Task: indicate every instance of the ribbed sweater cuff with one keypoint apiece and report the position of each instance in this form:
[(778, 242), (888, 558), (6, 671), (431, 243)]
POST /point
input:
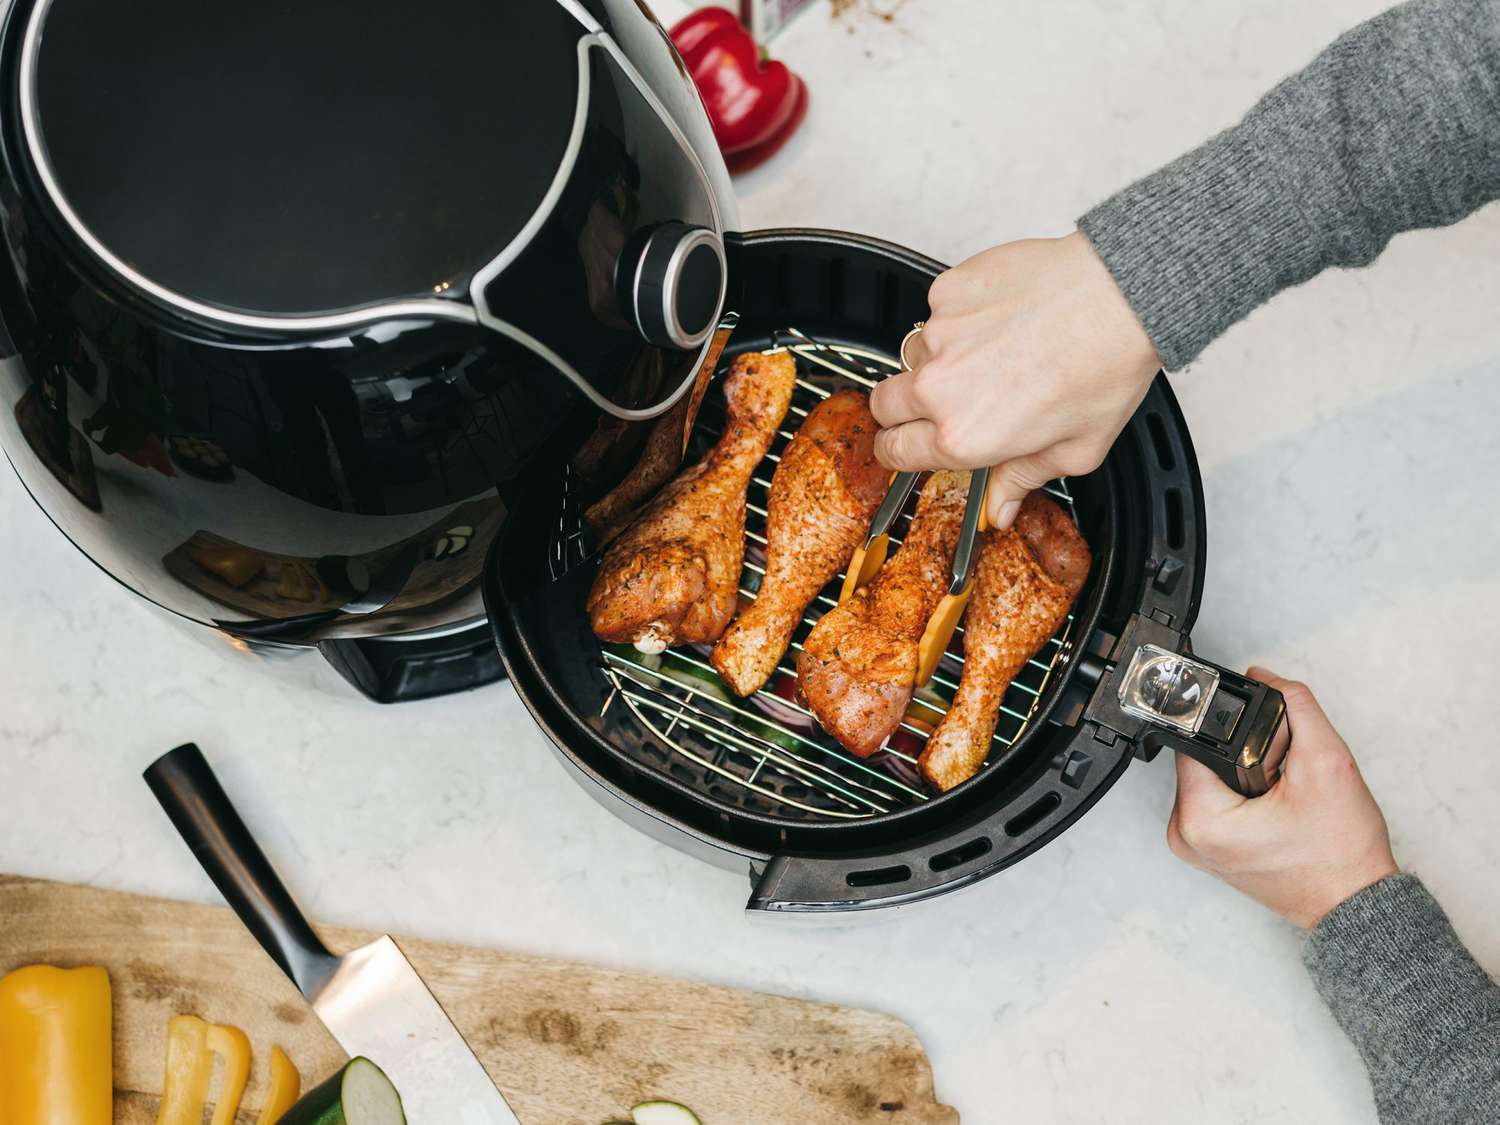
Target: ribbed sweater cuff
[(1199, 244), (1408, 994)]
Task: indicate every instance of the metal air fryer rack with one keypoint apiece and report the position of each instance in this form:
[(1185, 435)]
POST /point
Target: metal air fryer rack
[(767, 754)]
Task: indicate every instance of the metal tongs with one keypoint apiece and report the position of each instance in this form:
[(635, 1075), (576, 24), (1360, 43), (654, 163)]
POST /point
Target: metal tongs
[(870, 557)]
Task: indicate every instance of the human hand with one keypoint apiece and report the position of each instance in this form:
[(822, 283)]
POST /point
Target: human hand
[(1315, 839), (1031, 361)]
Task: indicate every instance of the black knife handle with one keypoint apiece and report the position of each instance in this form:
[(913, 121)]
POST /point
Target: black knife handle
[(202, 813)]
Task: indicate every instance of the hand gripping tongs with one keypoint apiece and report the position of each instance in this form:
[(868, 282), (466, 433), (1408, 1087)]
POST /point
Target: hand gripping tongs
[(869, 557)]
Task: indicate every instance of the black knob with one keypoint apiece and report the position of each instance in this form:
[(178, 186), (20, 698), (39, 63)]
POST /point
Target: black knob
[(671, 281)]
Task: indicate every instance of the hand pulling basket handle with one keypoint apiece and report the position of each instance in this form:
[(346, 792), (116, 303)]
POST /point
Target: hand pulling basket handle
[(1244, 736)]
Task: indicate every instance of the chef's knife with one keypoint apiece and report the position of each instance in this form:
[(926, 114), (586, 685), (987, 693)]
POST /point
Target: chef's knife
[(371, 999)]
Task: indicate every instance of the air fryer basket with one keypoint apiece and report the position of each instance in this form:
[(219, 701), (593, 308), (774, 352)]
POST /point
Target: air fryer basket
[(660, 744)]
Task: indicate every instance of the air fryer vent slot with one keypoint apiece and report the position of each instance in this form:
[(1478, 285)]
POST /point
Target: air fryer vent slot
[(879, 876), (964, 853), (1176, 534), (1160, 442), (1034, 813)]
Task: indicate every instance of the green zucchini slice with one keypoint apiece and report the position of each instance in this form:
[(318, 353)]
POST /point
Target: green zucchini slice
[(663, 1113), (358, 1094)]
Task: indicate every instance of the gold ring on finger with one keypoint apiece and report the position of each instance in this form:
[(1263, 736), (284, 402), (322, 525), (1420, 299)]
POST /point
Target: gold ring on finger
[(916, 330)]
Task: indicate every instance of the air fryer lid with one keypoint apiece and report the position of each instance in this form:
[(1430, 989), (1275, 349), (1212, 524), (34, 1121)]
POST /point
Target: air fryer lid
[(287, 167), (242, 156)]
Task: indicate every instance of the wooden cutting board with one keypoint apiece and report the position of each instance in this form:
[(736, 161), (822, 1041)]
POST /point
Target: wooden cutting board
[(569, 1044)]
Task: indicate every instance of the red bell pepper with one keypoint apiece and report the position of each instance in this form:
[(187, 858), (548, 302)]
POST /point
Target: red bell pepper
[(753, 157), (690, 32), (750, 99)]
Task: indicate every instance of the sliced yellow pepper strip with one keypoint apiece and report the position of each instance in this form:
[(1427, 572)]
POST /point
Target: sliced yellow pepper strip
[(286, 1088), (233, 1046), (192, 1044), (55, 1047), (190, 1067)]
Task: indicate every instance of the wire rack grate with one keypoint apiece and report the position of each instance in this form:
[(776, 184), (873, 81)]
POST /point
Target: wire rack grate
[(766, 753)]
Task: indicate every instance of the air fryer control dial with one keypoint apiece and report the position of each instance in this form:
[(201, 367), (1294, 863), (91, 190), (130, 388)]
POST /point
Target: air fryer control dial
[(671, 282)]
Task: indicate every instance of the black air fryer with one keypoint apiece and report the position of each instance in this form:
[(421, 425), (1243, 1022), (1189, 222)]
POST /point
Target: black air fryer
[(296, 291), (320, 323)]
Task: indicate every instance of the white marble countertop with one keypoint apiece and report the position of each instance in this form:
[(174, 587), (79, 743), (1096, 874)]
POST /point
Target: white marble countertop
[(1347, 436)]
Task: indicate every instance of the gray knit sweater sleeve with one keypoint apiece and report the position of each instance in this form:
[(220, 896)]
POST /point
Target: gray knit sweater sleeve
[(1424, 1016), (1395, 126)]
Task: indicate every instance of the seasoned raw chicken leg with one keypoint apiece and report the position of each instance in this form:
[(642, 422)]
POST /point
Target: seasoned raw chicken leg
[(673, 577), (660, 456), (1025, 582), (823, 496), (858, 667), (662, 453)]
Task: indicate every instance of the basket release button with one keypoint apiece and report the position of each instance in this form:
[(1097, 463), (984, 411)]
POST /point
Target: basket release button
[(1223, 713)]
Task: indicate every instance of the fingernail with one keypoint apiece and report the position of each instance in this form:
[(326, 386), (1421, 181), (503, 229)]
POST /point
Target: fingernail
[(1260, 672), (1007, 514)]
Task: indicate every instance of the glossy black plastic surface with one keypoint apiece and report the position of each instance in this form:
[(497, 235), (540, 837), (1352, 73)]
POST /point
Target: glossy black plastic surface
[(403, 668), (209, 824), (294, 158), (338, 445), (372, 445), (645, 42), (632, 173)]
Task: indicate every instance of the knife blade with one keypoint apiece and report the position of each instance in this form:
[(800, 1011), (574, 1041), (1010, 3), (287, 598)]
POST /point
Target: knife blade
[(371, 999)]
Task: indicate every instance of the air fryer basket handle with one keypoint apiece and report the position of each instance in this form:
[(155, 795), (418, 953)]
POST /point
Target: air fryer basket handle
[(202, 813), (1244, 736)]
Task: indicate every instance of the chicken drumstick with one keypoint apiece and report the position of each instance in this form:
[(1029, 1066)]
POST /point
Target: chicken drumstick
[(823, 496), (1025, 582), (672, 577), (858, 667)]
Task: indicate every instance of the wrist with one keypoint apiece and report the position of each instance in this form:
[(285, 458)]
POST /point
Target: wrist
[(1343, 886), (1129, 338)]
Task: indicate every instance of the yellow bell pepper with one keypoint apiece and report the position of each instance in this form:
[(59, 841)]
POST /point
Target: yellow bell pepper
[(286, 1088), (190, 1068), (233, 1046), (55, 1047), (191, 1046)]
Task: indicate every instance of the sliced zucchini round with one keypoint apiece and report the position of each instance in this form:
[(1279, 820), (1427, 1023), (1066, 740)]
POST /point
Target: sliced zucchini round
[(358, 1094), (663, 1113)]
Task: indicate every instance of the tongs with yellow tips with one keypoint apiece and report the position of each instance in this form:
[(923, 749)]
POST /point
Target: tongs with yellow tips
[(870, 555), (869, 558)]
